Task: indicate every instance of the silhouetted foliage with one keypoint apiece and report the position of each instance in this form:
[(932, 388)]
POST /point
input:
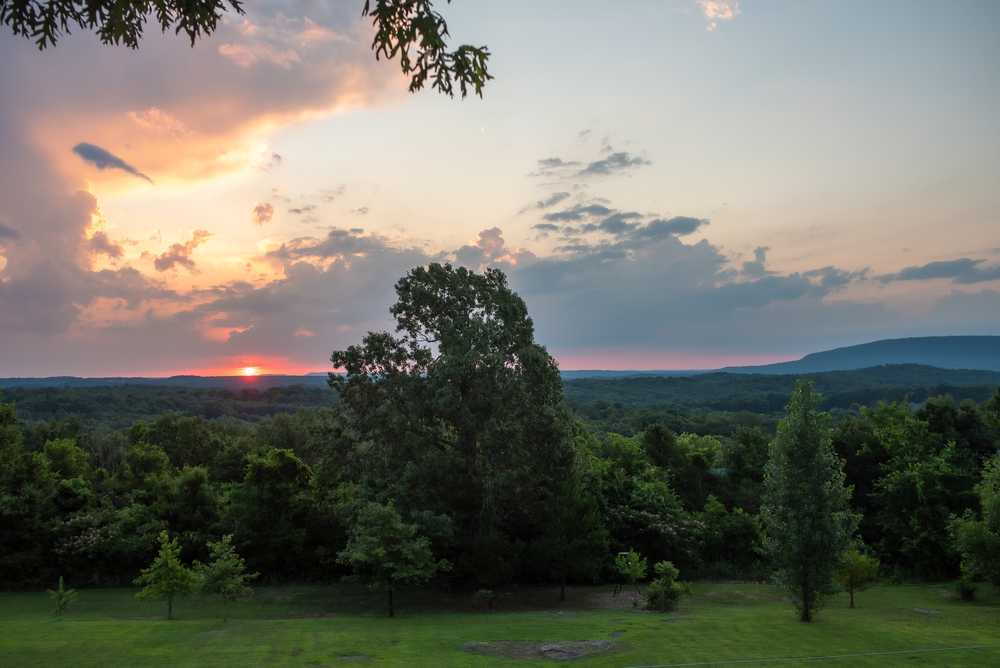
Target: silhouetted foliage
[(410, 30)]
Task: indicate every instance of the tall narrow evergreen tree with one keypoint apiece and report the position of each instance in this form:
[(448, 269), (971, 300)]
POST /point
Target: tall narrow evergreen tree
[(806, 512)]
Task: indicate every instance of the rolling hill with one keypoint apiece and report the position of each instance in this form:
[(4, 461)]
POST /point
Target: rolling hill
[(945, 352)]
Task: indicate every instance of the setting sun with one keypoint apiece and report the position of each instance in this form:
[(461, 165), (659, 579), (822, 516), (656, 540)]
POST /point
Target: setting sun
[(250, 371)]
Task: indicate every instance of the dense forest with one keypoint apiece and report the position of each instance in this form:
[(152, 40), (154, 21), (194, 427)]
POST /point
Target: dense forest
[(455, 442)]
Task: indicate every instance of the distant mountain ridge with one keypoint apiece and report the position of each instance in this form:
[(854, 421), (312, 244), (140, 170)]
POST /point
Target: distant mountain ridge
[(944, 352), (980, 353)]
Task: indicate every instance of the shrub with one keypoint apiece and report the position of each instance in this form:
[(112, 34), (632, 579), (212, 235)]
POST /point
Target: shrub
[(664, 591)]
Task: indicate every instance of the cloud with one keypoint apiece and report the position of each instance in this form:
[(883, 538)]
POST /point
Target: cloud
[(716, 11), (626, 225), (331, 194), (100, 243), (272, 161), (8, 233), (184, 114), (263, 213), (338, 243), (553, 166), (755, 267), (190, 113), (963, 270), (578, 212), (300, 210), (103, 159), (180, 254), (280, 42), (546, 202), (360, 211), (676, 226), (157, 120), (546, 228), (616, 163)]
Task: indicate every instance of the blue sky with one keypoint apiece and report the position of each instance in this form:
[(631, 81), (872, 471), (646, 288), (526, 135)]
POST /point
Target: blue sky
[(668, 183)]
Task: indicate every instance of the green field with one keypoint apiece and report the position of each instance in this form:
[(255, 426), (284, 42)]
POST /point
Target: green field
[(720, 624)]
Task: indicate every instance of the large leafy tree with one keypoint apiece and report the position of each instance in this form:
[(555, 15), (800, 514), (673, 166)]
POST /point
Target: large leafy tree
[(806, 513), (411, 30), (460, 412)]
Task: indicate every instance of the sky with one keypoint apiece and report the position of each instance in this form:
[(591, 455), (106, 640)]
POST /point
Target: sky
[(669, 184)]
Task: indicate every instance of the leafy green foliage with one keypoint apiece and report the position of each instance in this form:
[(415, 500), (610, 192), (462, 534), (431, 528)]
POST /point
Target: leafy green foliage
[(807, 518), (62, 598), (664, 591), (978, 539), (632, 568), (387, 552), (115, 21), (857, 571), (460, 413), (417, 34), (167, 577), (226, 574), (456, 422)]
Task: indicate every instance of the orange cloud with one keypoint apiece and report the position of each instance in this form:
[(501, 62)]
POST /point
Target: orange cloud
[(718, 10), (188, 114)]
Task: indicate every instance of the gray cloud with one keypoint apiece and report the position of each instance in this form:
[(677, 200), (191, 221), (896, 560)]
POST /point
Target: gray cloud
[(755, 267), (360, 211), (180, 254), (578, 212), (103, 159), (616, 163), (305, 208), (963, 270), (273, 162), (8, 232), (101, 243), (546, 202), (263, 213), (549, 164), (338, 243)]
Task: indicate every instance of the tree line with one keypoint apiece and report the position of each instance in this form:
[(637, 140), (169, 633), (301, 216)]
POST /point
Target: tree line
[(452, 458)]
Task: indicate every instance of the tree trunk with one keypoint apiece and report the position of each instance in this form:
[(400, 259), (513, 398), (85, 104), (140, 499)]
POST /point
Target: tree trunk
[(807, 604), (562, 588), (851, 589), (392, 610), (170, 606)]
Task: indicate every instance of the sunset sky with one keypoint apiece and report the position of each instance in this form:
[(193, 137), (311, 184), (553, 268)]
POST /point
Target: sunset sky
[(668, 183)]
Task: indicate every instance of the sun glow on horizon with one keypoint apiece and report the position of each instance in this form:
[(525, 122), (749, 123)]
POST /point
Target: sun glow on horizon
[(250, 371)]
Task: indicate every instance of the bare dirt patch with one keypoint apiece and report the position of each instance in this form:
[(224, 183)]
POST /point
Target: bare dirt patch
[(561, 650)]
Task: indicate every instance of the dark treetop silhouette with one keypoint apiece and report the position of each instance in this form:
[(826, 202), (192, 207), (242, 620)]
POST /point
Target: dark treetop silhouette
[(409, 29)]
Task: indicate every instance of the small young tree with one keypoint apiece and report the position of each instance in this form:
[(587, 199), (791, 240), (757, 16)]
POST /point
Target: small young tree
[(632, 567), (387, 552), (167, 577), (664, 591), (806, 513), (62, 598), (857, 571), (225, 575)]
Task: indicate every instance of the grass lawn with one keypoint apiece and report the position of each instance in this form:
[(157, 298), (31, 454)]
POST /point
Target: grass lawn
[(720, 624)]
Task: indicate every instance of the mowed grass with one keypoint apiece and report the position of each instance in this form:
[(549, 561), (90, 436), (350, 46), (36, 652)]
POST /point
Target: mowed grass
[(720, 624)]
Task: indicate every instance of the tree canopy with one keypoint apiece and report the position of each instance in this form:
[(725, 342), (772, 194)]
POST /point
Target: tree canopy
[(411, 30)]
